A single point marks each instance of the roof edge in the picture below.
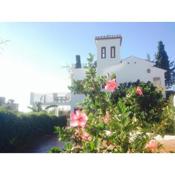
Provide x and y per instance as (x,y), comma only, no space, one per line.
(104,37)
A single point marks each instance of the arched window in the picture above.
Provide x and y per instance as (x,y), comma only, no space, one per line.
(103,52)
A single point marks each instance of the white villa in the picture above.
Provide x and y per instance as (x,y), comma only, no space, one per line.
(129,69)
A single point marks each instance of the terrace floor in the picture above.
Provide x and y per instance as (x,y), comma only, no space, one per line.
(168,143)
(168,146)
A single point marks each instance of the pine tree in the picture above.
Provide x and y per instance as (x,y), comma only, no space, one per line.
(162,61)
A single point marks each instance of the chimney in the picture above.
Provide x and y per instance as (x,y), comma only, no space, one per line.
(78,62)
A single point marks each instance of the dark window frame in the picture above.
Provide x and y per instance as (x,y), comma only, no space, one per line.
(113,51)
(103,52)
(148,71)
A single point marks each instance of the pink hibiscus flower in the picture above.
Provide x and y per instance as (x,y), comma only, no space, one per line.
(86,136)
(111,85)
(78,118)
(152,145)
(139,91)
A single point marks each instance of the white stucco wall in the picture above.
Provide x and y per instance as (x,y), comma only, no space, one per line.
(75,100)
(108,61)
(77,74)
(133,69)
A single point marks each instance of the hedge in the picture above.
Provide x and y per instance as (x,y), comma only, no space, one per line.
(19,129)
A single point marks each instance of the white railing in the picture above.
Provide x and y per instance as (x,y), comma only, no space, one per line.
(52,98)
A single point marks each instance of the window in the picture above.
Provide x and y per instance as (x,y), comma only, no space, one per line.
(103,52)
(157,81)
(113,52)
(148,70)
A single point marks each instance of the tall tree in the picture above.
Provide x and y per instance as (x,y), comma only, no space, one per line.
(162,61)
(172,72)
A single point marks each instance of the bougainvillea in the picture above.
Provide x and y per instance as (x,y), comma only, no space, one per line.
(106,122)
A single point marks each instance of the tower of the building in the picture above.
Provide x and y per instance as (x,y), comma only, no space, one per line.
(108,51)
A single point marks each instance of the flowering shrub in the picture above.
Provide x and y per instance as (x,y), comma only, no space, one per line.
(142,99)
(78,118)
(111,85)
(152,145)
(109,121)
(139,91)
(168,117)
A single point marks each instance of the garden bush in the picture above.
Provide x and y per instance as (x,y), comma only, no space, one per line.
(149,106)
(114,118)
(19,129)
(168,116)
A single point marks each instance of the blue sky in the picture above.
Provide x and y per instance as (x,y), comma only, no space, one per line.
(33,58)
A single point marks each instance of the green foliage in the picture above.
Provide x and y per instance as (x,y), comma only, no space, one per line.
(77,87)
(148,107)
(55,150)
(120,121)
(168,117)
(63,113)
(162,61)
(91,85)
(37,107)
(19,129)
